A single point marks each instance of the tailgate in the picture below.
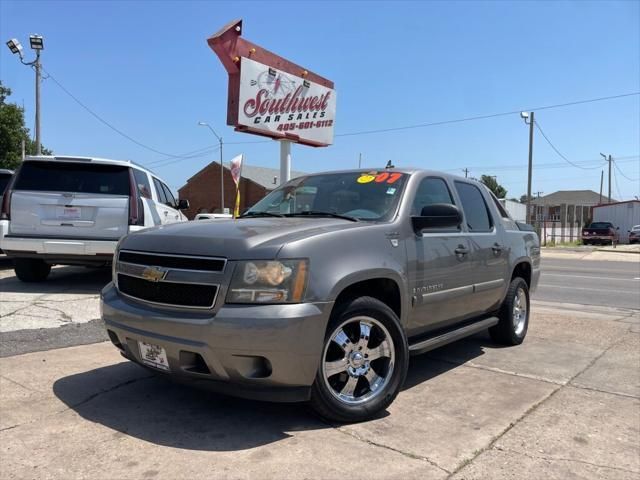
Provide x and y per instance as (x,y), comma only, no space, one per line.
(69,215)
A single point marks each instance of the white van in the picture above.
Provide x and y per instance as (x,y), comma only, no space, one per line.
(73,211)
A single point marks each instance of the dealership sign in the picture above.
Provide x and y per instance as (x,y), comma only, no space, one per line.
(278,103)
(271,96)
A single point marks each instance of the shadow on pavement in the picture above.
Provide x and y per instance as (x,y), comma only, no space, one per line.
(61,279)
(159,411)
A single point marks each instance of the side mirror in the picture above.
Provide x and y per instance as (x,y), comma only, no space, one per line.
(183,204)
(437,215)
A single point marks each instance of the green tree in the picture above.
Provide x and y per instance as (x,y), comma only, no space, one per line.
(493,185)
(12,132)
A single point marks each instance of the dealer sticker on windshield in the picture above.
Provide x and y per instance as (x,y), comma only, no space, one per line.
(153,355)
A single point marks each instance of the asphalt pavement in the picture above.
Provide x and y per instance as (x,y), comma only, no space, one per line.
(591,282)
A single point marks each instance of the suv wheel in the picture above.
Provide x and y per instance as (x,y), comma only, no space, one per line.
(514,315)
(364,362)
(31,269)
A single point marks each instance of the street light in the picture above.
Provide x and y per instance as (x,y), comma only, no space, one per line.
(37,43)
(205,124)
(529,116)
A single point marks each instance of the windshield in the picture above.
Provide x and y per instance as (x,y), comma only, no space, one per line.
(600,225)
(361,195)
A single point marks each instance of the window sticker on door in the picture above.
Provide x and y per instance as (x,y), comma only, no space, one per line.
(391,191)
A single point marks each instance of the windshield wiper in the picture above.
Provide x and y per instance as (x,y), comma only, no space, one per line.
(261,214)
(316,213)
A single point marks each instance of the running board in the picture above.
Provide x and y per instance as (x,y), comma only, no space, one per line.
(451,336)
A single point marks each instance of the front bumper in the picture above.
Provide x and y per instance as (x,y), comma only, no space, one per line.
(268,352)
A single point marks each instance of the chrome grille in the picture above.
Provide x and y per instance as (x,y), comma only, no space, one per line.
(169,280)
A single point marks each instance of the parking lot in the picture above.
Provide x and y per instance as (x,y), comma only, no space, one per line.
(565,404)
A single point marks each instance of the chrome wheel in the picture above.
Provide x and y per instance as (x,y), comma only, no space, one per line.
(519,311)
(358,360)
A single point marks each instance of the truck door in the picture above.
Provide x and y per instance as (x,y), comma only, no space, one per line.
(438,266)
(488,256)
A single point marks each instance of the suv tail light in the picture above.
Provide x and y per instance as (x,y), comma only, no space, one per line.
(136,208)
(5,210)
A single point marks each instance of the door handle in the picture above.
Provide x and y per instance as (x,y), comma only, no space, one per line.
(166,213)
(461,250)
(497,248)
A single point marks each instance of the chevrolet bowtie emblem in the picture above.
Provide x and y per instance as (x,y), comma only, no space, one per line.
(154,274)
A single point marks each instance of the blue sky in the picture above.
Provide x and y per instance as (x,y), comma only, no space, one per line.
(145,67)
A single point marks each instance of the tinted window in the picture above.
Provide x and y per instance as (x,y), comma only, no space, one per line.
(475,209)
(169,196)
(601,225)
(73,177)
(161,196)
(142,181)
(4,181)
(431,190)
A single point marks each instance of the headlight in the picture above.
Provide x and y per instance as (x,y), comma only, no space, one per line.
(114,263)
(270,281)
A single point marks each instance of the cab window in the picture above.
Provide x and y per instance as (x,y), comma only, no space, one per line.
(431,190)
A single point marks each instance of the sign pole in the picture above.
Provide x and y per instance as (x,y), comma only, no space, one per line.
(285,161)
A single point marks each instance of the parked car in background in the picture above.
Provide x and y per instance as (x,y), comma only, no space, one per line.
(323,289)
(73,211)
(213,216)
(634,234)
(599,233)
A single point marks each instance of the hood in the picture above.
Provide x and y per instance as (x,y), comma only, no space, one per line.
(245,238)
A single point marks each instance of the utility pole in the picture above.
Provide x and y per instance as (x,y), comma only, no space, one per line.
(360,160)
(601,181)
(531,123)
(608,159)
(38,80)
(466,172)
(37,43)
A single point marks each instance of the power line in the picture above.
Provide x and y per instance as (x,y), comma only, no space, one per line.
(482,117)
(171,161)
(560,154)
(615,180)
(615,164)
(192,154)
(103,121)
(364,132)
(538,166)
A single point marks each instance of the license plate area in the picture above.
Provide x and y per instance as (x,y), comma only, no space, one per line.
(153,355)
(68,213)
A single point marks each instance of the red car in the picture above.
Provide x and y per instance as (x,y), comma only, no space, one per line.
(599,233)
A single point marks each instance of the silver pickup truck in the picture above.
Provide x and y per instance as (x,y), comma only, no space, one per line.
(323,289)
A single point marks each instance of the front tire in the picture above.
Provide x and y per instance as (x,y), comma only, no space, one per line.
(31,270)
(513,315)
(364,362)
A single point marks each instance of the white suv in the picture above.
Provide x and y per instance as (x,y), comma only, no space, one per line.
(73,211)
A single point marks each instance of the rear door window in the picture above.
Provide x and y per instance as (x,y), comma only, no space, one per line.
(73,177)
(475,208)
(142,182)
(161,196)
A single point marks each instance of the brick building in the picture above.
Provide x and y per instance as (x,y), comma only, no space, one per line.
(203,189)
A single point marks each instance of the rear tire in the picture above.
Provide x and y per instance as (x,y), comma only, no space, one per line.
(513,315)
(351,385)
(31,269)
